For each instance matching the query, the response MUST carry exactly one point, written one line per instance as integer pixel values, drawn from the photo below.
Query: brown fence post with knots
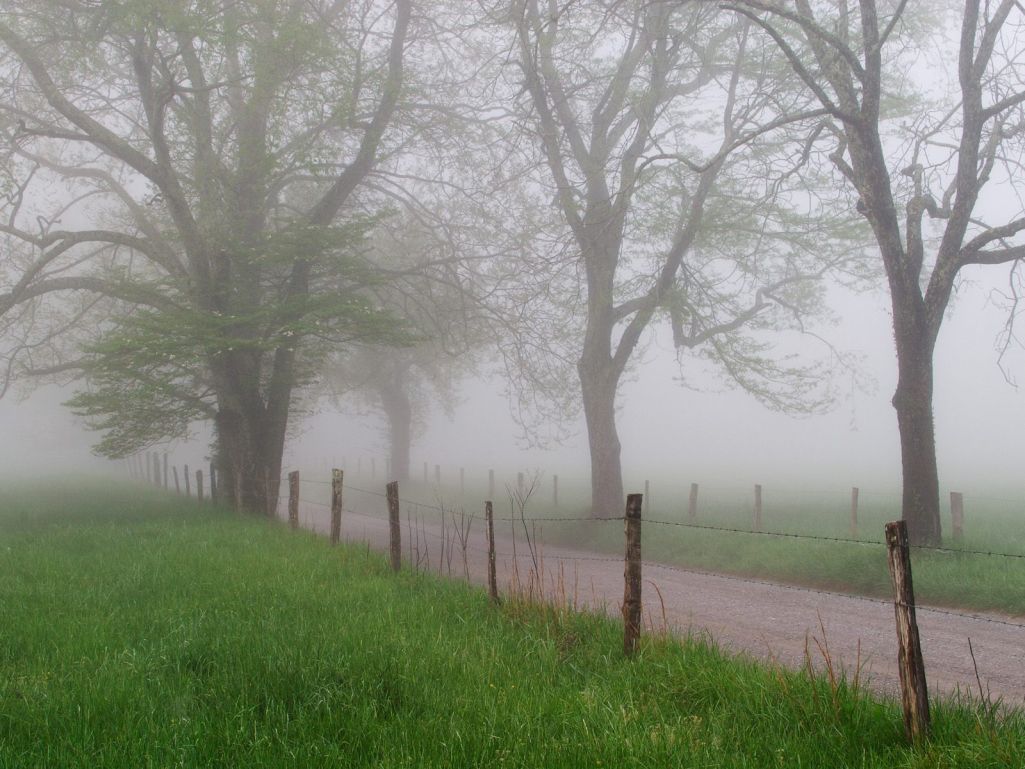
(914, 692)
(957, 515)
(293, 499)
(489, 513)
(336, 505)
(758, 507)
(394, 527)
(632, 574)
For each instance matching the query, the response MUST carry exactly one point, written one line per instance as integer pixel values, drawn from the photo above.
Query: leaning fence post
(489, 513)
(914, 692)
(177, 485)
(336, 505)
(394, 529)
(188, 482)
(854, 512)
(758, 507)
(199, 485)
(632, 575)
(167, 482)
(957, 514)
(213, 482)
(293, 499)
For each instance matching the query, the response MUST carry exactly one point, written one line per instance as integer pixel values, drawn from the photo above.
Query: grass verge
(139, 632)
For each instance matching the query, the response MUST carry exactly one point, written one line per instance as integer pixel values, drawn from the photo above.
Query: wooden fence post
(213, 483)
(692, 502)
(199, 485)
(293, 499)
(188, 482)
(336, 505)
(555, 491)
(632, 575)
(489, 513)
(758, 507)
(914, 692)
(854, 512)
(957, 515)
(167, 481)
(394, 529)
(177, 484)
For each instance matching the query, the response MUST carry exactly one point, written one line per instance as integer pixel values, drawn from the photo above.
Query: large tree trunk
(398, 410)
(251, 428)
(913, 402)
(248, 461)
(599, 395)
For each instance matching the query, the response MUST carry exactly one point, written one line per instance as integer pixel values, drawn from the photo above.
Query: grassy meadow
(137, 630)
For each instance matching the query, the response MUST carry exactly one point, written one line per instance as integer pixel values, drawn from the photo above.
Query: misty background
(712, 434)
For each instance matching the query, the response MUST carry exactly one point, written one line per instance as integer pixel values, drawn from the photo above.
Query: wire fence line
(524, 518)
(456, 543)
(688, 525)
(684, 525)
(561, 556)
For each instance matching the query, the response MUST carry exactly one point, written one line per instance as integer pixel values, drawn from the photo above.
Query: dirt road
(761, 619)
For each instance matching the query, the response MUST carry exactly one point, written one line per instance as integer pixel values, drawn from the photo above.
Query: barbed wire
(963, 551)
(700, 527)
(787, 534)
(549, 556)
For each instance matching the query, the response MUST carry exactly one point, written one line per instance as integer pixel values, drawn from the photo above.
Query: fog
(726, 437)
(600, 224)
(710, 435)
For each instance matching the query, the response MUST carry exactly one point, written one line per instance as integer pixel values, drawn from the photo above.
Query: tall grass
(136, 631)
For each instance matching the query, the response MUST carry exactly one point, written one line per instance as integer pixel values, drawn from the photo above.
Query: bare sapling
(520, 498)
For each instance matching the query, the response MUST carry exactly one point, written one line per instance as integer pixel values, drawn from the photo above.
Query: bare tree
(669, 140)
(919, 173)
(435, 294)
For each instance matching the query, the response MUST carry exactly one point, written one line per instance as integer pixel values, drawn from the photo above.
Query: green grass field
(138, 631)
(952, 578)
